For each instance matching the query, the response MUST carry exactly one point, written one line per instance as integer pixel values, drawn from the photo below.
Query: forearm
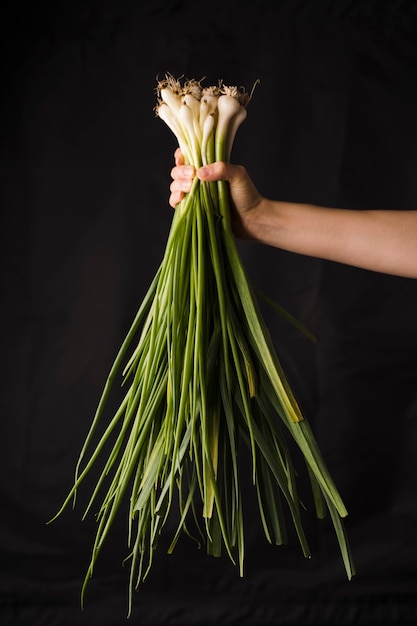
(382, 241)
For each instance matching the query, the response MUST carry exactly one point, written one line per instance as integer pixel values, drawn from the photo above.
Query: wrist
(263, 222)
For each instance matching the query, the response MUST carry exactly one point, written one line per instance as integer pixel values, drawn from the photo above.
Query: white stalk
(228, 106)
(235, 122)
(208, 128)
(194, 105)
(186, 117)
(208, 106)
(166, 114)
(172, 99)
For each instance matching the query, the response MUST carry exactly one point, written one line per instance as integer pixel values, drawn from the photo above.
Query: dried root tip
(171, 83)
(192, 88)
(239, 93)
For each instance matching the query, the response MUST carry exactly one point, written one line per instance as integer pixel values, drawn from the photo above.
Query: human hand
(245, 198)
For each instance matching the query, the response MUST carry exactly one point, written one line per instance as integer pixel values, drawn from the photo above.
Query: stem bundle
(202, 378)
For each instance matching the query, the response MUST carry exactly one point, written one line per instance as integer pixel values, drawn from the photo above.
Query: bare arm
(379, 240)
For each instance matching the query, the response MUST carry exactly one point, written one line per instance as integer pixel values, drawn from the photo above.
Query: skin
(378, 240)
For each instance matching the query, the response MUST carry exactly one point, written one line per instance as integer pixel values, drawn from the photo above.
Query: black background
(84, 219)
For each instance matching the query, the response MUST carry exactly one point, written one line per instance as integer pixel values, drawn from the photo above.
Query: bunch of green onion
(202, 379)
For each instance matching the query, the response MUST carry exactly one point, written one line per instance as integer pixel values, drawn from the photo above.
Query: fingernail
(204, 171)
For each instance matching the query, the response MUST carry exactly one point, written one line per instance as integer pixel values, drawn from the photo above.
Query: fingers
(175, 198)
(179, 159)
(182, 178)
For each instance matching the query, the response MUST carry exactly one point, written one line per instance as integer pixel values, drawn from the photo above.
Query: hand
(244, 196)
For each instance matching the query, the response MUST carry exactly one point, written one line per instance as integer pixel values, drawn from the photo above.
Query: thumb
(215, 171)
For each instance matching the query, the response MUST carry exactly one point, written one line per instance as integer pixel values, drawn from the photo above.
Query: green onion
(202, 379)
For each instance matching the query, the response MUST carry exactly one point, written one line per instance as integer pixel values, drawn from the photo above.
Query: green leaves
(202, 379)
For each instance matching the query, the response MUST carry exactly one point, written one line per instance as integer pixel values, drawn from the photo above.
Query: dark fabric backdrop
(85, 175)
